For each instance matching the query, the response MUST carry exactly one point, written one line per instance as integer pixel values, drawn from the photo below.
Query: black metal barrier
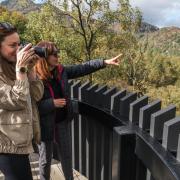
(119, 136)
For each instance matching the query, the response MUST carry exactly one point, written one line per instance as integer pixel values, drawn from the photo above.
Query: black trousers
(15, 167)
(64, 153)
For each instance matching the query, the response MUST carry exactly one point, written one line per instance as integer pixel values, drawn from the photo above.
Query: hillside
(24, 6)
(146, 27)
(165, 40)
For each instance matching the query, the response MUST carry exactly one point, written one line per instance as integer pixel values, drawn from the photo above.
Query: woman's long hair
(42, 67)
(8, 68)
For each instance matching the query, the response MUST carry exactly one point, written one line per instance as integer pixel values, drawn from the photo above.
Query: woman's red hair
(42, 67)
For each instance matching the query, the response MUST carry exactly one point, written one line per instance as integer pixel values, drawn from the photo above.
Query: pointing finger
(118, 56)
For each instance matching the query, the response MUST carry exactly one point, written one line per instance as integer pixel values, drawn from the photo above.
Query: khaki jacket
(19, 118)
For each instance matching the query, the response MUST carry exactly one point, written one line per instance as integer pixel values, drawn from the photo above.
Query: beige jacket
(19, 119)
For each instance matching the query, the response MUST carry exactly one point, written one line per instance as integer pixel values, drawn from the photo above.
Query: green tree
(168, 94)
(47, 25)
(78, 29)
(15, 18)
(133, 68)
(82, 19)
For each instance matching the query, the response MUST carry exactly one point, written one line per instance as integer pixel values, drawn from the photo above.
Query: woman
(55, 107)
(19, 91)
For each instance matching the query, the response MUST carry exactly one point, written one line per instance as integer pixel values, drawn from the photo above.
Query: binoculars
(40, 51)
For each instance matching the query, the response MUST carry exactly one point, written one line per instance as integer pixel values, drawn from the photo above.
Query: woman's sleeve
(86, 68)
(46, 106)
(14, 97)
(36, 89)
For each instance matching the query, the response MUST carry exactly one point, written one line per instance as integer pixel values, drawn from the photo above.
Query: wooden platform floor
(56, 170)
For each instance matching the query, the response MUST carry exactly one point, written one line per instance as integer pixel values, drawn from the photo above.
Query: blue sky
(157, 12)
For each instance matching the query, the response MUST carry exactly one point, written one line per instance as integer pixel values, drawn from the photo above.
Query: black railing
(117, 135)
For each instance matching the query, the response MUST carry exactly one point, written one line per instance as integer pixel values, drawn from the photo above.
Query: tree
(77, 26)
(15, 18)
(47, 25)
(84, 19)
(133, 68)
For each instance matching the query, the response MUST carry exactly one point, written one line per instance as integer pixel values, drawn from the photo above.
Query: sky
(160, 13)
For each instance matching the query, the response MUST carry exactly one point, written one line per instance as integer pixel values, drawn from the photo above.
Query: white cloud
(159, 12)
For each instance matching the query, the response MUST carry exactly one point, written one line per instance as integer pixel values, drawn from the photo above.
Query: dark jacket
(46, 106)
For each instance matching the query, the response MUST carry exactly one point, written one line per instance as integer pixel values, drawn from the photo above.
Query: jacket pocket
(16, 127)
(19, 134)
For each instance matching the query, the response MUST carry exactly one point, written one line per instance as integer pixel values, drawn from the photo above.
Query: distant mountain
(146, 27)
(166, 40)
(24, 6)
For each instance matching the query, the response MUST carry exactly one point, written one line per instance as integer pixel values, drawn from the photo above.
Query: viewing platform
(117, 135)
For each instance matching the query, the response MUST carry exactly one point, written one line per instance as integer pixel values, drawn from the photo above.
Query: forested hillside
(23, 6)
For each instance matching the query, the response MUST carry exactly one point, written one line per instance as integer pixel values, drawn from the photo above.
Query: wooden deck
(56, 170)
